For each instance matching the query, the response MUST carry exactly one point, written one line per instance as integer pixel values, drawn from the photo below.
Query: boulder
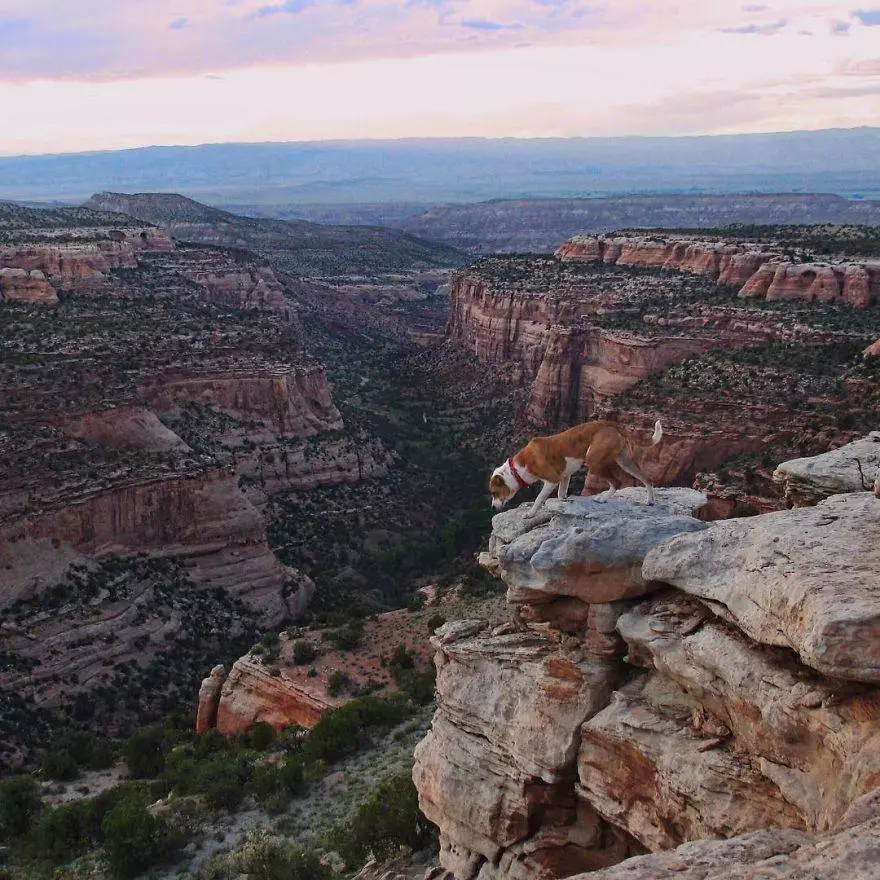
(851, 468)
(804, 579)
(588, 549)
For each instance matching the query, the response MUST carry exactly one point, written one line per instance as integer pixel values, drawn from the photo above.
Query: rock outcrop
(26, 286)
(756, 272)
(805, 481)
(209, 699)
(251, 693)
(665, 681)
(818, 596)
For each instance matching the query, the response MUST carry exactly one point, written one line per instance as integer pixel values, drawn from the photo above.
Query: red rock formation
(288, 401)
(256, 288)
(126, 426)
(26, 286)
(201, 517)
(873, 350)
(209, 699)
(758, 273)
(251, 694)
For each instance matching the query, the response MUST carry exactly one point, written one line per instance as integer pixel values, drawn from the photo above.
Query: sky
(108, 74)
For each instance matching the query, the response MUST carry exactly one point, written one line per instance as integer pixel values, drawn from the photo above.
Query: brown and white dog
(598, 446)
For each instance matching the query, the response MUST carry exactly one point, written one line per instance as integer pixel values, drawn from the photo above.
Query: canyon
(662, 681)
(635, 327)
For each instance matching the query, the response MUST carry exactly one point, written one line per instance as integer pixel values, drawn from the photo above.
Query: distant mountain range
(426, 172)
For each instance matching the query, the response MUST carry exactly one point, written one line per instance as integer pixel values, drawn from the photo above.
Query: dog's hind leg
(628, 465)
(543, 495)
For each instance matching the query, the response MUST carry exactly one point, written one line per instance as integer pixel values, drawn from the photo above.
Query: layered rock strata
(763, 273)
(716, 680)
(251, 694)
(849, 850)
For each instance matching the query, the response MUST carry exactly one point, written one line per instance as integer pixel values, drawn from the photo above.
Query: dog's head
(499, 490)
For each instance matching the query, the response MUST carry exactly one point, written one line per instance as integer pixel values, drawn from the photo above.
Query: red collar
(516, 474)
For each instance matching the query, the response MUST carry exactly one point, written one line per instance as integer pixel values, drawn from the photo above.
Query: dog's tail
(656, 437)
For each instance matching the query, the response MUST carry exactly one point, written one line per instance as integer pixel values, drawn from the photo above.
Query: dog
(555, 459)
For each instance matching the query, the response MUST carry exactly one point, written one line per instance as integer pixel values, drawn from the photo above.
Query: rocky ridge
(756, 271)
(666, 680)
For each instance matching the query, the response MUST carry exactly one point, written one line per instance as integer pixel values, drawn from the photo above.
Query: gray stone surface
(589, 550)
(806, 579)
(851, 468)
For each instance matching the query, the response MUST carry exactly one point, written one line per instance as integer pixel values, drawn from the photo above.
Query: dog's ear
(497, 482)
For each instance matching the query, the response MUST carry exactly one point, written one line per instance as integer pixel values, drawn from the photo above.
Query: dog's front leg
(543, 495)
(563, 487)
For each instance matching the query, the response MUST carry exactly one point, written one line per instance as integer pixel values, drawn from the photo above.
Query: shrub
(260, 736)
(741, 510)
(435, 621)
(268, 857)
(303, 652)
(134, 839)
(144, 752)
(389, 819)
(337, 683)
(58, 763)
(19, 804)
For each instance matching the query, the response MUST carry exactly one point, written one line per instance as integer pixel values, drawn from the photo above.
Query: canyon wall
(663, 681)
(757, 272)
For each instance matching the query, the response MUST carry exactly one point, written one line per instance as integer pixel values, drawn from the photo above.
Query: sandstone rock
(201, 517)
(804, 481)
(21, 285)
(873, 350)
(644, 768)
(290, 402)
(590, 550)
(495, 772)
(857, 286)
(810, 281)
(251, 694)
(126, 426)
(818, 741)
(849, 851)
(209, 699)
(521, 694)
(805, 579)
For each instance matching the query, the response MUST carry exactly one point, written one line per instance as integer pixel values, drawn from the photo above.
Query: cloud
(868, 17)
(767, 30)
(13, 28)
(755, 7)
(178, 24)
(482, 24)
(867, 67)
(840, 28)
(292, 7)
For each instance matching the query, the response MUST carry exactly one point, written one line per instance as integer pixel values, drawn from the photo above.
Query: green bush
(134, 839)
(303, 652)
(435, 621)
(144, 752)
(389, 819)
(19, 804)
(58, 763)
(337, 683)
(260, 736)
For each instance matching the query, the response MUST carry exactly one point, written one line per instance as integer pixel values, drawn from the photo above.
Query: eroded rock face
(24, 286)
(645, 767)
(209, 699)
(818, 741)
(775, 854)
(496, 771)
(126, 426)
(251, 693)
(589, 550)
(805, 481)
(805, 579)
